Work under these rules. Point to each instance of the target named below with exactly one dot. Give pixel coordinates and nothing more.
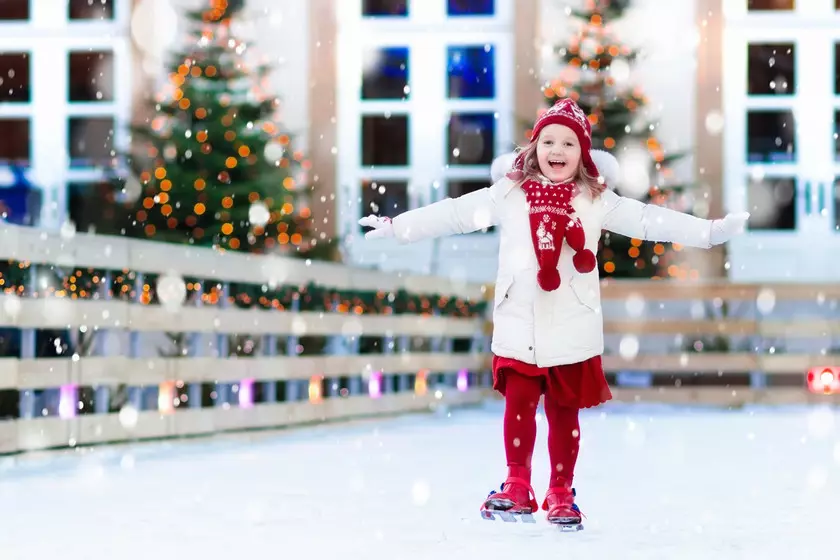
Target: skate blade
(506, 516)
(567, 527)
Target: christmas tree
(595, 73)
(217, 168)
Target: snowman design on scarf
(546, 240)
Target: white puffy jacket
(564, 326)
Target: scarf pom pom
(549, 279)
(584, 261)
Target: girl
(547, 324)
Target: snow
(654, 481)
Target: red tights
(522, 395)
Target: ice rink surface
(655, 482)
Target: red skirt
(580, 385)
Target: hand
(727, 228)
(382, 227)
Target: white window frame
(49, 36)
(803, 253)
(427, 33)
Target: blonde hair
(531, 170)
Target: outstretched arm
(627, 216)
(465, 214)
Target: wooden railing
(110, 339)
(718, 342)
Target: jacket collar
(510, 185)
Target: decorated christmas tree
(215, 164)
(595, 72)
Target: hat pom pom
(607, 166)
(584, 261)
(549, 278)
(501, 165)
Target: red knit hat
(566, 112)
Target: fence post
(102, 393)
(223, 349)
(135, 394)
(194, 390)
(28, 398)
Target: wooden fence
(108, 339)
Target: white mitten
(382, 227)
(727, 228)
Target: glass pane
(91, 9)
(471, 72)
(770, 137)
(385, 73)
(384, 8)
(768, 5)
(91, 76)
(772, 203)
(837, 67)
(836, 200)
(837, 135)
(385, 140)
(456, 188)
(92, 206)
(14, 142)
(384, 198)
(770, 69)
(470, 7)
(471, 138)
(91, 140)
(11, 10)
(14, 77)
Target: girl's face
(558, 153)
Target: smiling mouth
(557, 164)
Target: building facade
(402, 103)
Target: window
(770, 5)
(770, 137)
(14, 77)
(471, 138)
(837, 67)
(91, 9)
(384, 198)
(470, 7)
(836, 203)
(91, 141)
(770, 69)
(379, 8)
(836, 135)
(92, 205)
(14, 10)
(15, 141)
(385, 73)
(471, 72)
(385, 140)
(772, 203)
(91, 76)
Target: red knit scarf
(553, 219)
